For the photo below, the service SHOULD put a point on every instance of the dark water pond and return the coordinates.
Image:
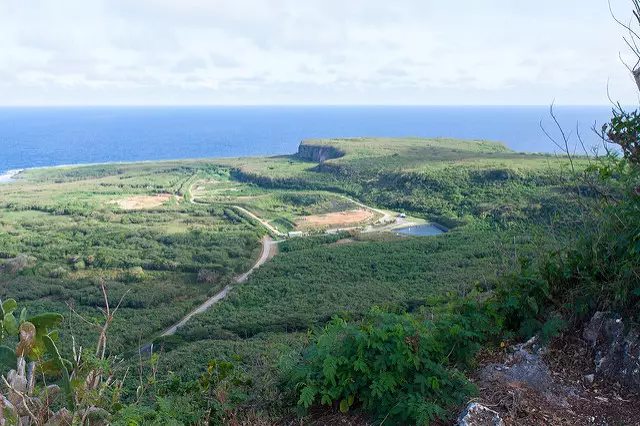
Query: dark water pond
(421, 230)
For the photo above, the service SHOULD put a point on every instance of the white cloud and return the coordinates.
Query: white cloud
(312, 51)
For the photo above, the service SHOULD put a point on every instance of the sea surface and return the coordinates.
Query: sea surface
(37, 137)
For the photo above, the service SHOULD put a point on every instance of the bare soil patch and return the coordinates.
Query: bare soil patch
(342, 241)
(141, 202)
(334, 220)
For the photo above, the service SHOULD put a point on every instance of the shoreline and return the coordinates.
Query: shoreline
(7, 176)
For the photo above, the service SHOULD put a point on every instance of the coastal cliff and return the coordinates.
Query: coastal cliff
(319, 153)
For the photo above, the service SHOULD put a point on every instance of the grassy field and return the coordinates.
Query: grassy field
(70, 222)
(167, 234)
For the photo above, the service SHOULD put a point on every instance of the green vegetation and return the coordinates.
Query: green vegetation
(358, 321)
(391, 365)
(444, 180)
(58, 240)
(162, 237)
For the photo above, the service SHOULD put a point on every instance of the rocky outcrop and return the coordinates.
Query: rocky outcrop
(319, 153)
(478, 415)
(526, 368)
(616, 350)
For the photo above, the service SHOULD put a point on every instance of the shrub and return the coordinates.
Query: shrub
(59, 272)
(134, 275)
(17, 264)
(389, 364)
(207, 276)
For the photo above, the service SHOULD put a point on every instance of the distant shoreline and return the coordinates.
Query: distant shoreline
(9, 174)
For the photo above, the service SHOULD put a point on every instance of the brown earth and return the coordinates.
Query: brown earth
(141, 202)
(602, 403)
(334, 220)
(342, 241)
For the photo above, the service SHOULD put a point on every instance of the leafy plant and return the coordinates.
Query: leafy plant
(389, 364)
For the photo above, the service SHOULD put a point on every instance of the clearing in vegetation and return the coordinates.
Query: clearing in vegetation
(142, 202)
(335, 220)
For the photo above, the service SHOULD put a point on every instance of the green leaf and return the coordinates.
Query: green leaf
(8, 358)
(54, 335)
(10, 324)
(59, 362)
(45, 321)
(326, 399)
(23, 315)
(52, 368)
(344, 406)
(307, 396)
(9, 305)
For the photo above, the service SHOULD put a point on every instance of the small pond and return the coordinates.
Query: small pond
(421, 230)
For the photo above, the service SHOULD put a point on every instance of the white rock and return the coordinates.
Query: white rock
(478, 415)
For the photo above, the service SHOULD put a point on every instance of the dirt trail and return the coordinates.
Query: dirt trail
(252, 216)
(262, 221)
(268, 245)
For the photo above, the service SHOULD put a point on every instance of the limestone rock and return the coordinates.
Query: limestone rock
(478, 415)
(522, 367)
(617, 352)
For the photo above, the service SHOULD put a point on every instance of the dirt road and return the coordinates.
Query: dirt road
(268, 245)
(262, 221)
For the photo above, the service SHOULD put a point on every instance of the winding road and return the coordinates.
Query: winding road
(262, 221)
(268, 247)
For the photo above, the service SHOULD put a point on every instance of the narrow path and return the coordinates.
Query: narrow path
(262, 221)
(268, 245)
(251, 215)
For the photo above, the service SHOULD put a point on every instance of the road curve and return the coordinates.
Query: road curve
(262, 221)
(268, 245)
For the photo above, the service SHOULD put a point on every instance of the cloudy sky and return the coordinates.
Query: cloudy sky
(222, 52)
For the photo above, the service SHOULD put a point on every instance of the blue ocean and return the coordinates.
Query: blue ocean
(37, 137)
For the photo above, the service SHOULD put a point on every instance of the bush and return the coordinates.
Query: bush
(389, 364)
(134, 275)
(207, 276)
(17, 264)
(59, 272)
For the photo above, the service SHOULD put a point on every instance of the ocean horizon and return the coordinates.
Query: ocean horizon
(53, 136)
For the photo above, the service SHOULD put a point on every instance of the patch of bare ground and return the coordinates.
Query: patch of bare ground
(342, 241)
(333, 220)
(142, 202)
(570, 360)
(274, 249)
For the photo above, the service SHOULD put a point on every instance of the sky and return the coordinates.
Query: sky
(312, 52)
